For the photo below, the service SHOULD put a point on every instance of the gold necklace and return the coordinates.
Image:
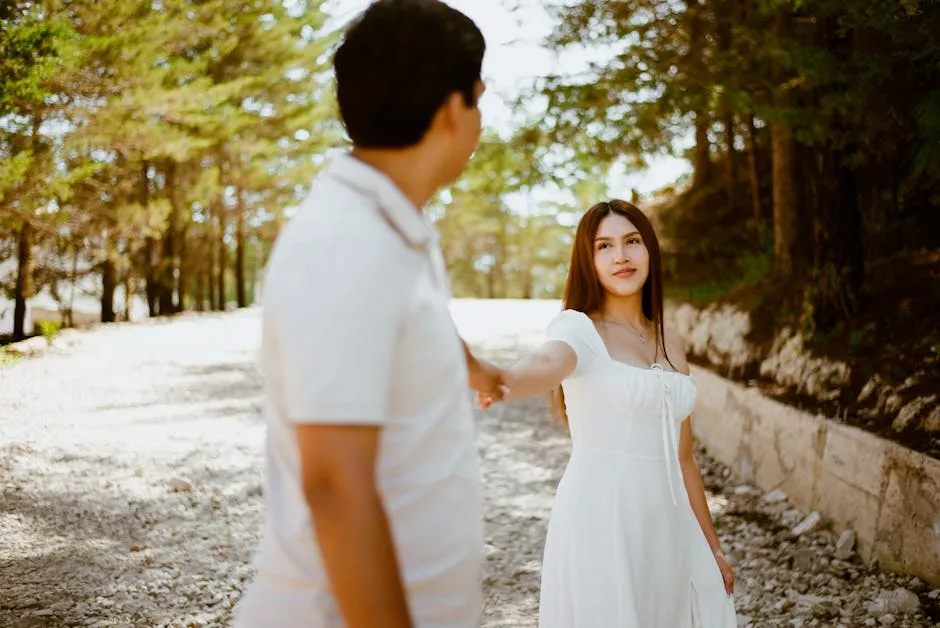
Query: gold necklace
(639, 335)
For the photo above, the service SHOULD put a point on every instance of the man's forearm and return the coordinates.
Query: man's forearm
(468, 356)
(359, 555)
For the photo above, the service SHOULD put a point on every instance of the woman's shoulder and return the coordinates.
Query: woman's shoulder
(675, 349)
(570, 317)
(573, 325)
(672, 337)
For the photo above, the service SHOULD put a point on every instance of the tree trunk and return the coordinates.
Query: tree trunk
(69, 316)
(128, 294)
(499, 264)
(838, 258)
(725, 15)
(752, 169)
(183, 275)
(701, 160)
(784, 199)
(23, 290)
(168, 261)
(732, 160)
(223, 258)
(150, 278)
(527, 283)
(108, 283)
(785, 222)
(209, 268)
(240, 238)
(24, 280)
(252, 272)
(200, 287)
(151, 287)
(838, 261)
(166, 274)
(213, 303)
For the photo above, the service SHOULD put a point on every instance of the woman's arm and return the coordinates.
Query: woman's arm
(692, 477)
(541, 371)
(692, 474)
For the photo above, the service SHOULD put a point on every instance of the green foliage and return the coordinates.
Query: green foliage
(747, 270)
(49, 329)
(863, 339)
(31, 50)
(500, 242)
(851, 82)
(160, 143)
(7, 358)
(927, 160)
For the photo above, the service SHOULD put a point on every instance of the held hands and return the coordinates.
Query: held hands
(727, 574)
(488, 382)
(485, 401)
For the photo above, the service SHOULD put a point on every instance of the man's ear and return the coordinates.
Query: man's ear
(451, 112)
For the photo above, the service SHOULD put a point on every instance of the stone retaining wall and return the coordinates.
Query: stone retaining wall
(719, 333)
(889, 495)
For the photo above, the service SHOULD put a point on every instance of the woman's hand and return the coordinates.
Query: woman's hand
(727, 573)
(485, 401)
(486, 379)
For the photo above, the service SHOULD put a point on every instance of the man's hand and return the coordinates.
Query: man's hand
(485, 401)
(485, 378)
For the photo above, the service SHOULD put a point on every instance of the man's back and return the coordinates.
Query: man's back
(373, 485)
(357, 331)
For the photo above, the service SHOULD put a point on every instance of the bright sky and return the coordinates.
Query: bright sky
(514, 57)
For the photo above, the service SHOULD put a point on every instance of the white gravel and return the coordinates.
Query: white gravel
(130, 494)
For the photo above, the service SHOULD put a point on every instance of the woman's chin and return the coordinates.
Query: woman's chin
(623, 291)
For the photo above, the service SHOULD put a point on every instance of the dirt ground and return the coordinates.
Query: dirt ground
(130, 494)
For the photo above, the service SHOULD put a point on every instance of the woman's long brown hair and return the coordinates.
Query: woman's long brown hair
(583, 289)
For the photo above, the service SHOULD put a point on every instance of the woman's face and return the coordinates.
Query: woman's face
(621, 258)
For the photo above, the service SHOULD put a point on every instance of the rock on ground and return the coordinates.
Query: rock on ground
(130, 495)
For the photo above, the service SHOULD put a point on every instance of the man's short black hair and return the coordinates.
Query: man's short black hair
(398, 63)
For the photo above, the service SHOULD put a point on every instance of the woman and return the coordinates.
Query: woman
(630, 543)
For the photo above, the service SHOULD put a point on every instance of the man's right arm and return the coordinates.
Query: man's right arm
(338, 479)
(334, 333)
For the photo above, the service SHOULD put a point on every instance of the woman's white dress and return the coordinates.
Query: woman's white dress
(624, 549)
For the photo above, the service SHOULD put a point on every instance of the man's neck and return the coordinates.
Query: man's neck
(408, 168)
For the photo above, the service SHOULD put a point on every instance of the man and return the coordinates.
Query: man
(374, 506)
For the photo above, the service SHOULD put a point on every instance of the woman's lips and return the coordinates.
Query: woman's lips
(625, 272)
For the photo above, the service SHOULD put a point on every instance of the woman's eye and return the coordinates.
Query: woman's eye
(633, 241)
(603, 245)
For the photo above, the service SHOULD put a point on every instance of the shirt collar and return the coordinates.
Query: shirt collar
(400, 212)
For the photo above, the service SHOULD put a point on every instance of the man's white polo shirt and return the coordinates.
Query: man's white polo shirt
(357, 330)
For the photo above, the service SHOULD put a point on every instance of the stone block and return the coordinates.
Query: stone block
(717, 428)
(908, 535)
(850, 481)
(855, 457)
(783, 446)
(849, 507)
(887, 494)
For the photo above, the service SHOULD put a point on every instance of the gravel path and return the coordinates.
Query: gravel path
(130, 494)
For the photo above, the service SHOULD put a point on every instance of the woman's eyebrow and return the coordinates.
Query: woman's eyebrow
(608, 239)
